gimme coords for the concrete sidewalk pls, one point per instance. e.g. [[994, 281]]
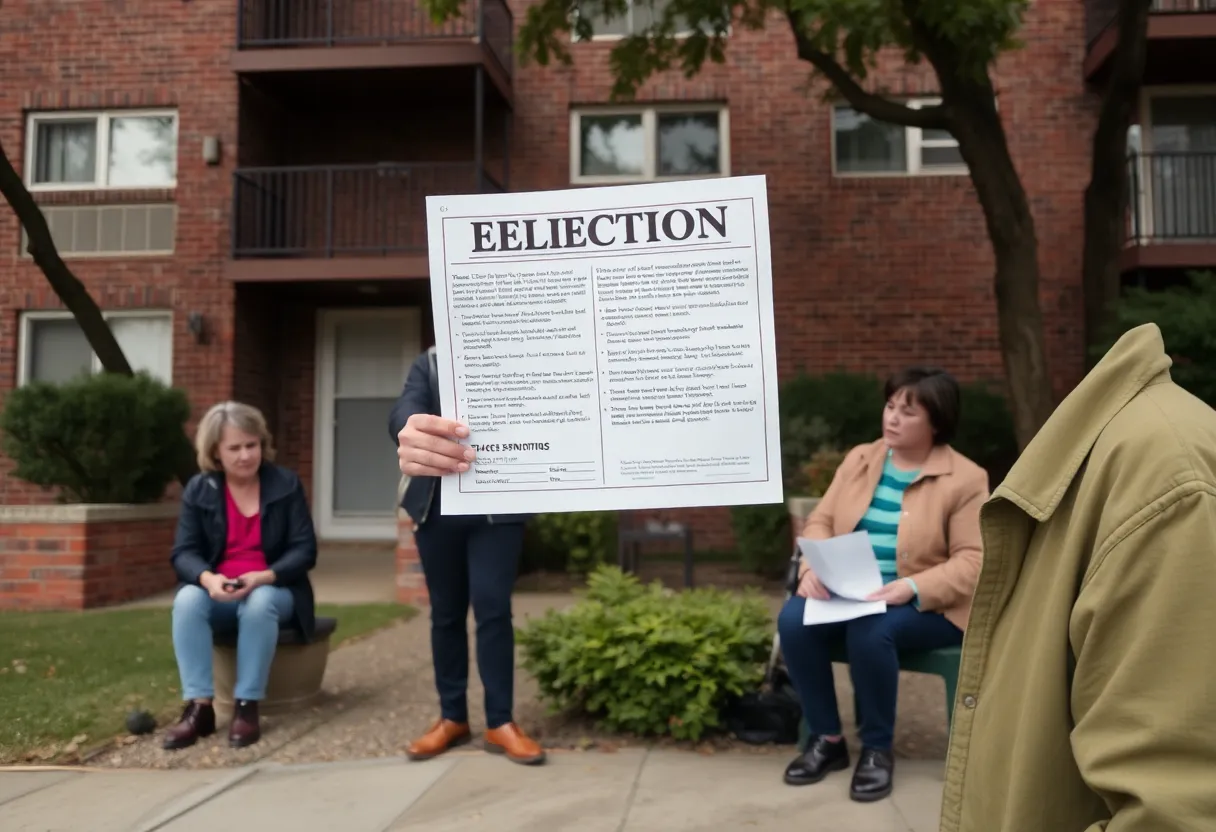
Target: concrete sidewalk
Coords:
[[633, 790]]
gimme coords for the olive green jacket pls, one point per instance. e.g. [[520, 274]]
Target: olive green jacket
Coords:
[[1087, 692]]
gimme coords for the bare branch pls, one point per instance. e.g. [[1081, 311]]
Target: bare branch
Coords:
[[874, 105]]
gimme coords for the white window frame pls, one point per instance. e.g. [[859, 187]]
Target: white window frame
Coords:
[[611, 36], [102, 155], [28, 317], [914, 141], [650, 121]]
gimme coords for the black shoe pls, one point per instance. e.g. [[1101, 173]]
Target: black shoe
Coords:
[[820, 758], [244, 730], [198, 720], [873, 779]]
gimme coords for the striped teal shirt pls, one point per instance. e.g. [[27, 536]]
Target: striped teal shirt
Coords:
[[881, 520]]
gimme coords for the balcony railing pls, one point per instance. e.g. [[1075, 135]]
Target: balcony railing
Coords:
[[268, 24], [1173, 197], [342, 210], [1101, 13]]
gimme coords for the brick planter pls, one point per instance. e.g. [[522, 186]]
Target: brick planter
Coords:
[[411, 585], [76, 557]]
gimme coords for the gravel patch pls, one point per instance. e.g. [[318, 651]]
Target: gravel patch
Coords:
[[379, 694]]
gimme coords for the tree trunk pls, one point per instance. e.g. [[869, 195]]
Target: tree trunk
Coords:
[[66, 285], [981, 137], [1106, 195]]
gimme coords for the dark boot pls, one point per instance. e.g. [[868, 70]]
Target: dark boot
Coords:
[[820, 758], [873, 779], [198, 720], [244, 729]]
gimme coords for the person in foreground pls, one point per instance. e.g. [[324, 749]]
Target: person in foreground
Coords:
[[244, 547], [464, 559], [919, 502], [1087, 691]]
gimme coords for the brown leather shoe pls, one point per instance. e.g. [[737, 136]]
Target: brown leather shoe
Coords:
[[443, 735], [518, 746], [198, 720], [244, 730]]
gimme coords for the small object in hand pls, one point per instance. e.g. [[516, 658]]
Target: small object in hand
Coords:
[[234, 585], [141, 722]]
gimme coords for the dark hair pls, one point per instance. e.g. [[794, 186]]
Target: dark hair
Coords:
[[936, 391]]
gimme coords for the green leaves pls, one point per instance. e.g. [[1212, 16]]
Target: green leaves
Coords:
[[105, 438], [645, 660], [579, 540]]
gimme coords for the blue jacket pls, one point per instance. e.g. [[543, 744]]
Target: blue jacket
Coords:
[[421, 395], [288, 539]]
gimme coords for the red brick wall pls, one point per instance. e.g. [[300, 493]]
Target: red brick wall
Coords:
[[106, 53], [79, 563]]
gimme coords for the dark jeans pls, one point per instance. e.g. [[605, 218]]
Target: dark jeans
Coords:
[[873, 643], [470, 559]]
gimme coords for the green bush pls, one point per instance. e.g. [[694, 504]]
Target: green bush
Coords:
[[762, 538], [645, 660], [577, 541], [1186, 316], [103, 438]]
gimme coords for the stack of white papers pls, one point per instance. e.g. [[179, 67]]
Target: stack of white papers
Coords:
[[848, 568]]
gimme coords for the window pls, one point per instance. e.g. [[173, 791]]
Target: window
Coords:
[[53, 347], [87, 151], [866, 146], [637, 18], [649, 143]]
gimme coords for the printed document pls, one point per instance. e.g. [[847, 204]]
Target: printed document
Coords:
[[609, 348], [848, 568]]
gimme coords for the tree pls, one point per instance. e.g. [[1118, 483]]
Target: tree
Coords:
[[840, 40], [65, 284], [1107, 193]]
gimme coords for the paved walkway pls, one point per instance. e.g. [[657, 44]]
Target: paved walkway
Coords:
[[633, 790]]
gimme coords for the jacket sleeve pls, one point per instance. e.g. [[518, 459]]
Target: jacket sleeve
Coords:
[[415, 397], [300, 554], [820, 525], [190, 554], [949, 583], [1144, 713]]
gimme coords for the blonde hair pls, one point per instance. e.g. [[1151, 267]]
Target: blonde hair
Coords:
[[211, 428]]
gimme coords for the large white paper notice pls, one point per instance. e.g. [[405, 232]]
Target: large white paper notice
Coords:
[[848, 568], [609, 348]]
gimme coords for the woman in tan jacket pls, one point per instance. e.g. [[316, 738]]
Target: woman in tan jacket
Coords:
[[919, 501]]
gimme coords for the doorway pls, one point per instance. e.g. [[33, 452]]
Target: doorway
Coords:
[[363, 356]]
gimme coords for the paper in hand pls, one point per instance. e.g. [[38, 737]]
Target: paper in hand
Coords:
[[848, 568]]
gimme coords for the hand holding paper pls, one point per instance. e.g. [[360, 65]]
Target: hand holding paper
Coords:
[[847, 567]]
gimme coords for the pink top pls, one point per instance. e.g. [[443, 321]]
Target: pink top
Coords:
[[244, 550]]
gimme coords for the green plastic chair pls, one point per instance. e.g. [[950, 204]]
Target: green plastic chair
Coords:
[[943, 663]]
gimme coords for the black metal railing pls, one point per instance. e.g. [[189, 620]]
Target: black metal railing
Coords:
[[342, 210], [1101, 13], [265, 24], [1172, 197]]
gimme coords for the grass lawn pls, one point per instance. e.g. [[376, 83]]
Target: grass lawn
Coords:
[[72, 677]]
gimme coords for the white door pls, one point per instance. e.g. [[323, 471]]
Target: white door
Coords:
[[363, 356]]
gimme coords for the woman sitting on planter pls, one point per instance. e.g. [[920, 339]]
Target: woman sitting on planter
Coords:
[[245, 544], [919, 501]]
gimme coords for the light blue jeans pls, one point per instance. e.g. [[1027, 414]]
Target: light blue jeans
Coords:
[[256, 619]]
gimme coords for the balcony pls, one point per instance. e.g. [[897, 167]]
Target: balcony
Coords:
[[1181, 36], [309, 35], [1172, 215], [340, 221]]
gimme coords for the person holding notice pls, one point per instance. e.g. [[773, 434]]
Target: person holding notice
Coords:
[[244, 547], [464, 559], [1087, 691], [919, 502]]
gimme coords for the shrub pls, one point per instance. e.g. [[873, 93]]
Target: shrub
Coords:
[[762, 537], [818, 472], [577, 541], [1186, 316], [103, 438], [647, 661]]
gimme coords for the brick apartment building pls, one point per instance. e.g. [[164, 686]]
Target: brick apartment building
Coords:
[[240, 183]]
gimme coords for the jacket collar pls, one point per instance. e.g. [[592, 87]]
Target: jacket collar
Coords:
[[273, 484], [939, 462], [1046, 468]]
